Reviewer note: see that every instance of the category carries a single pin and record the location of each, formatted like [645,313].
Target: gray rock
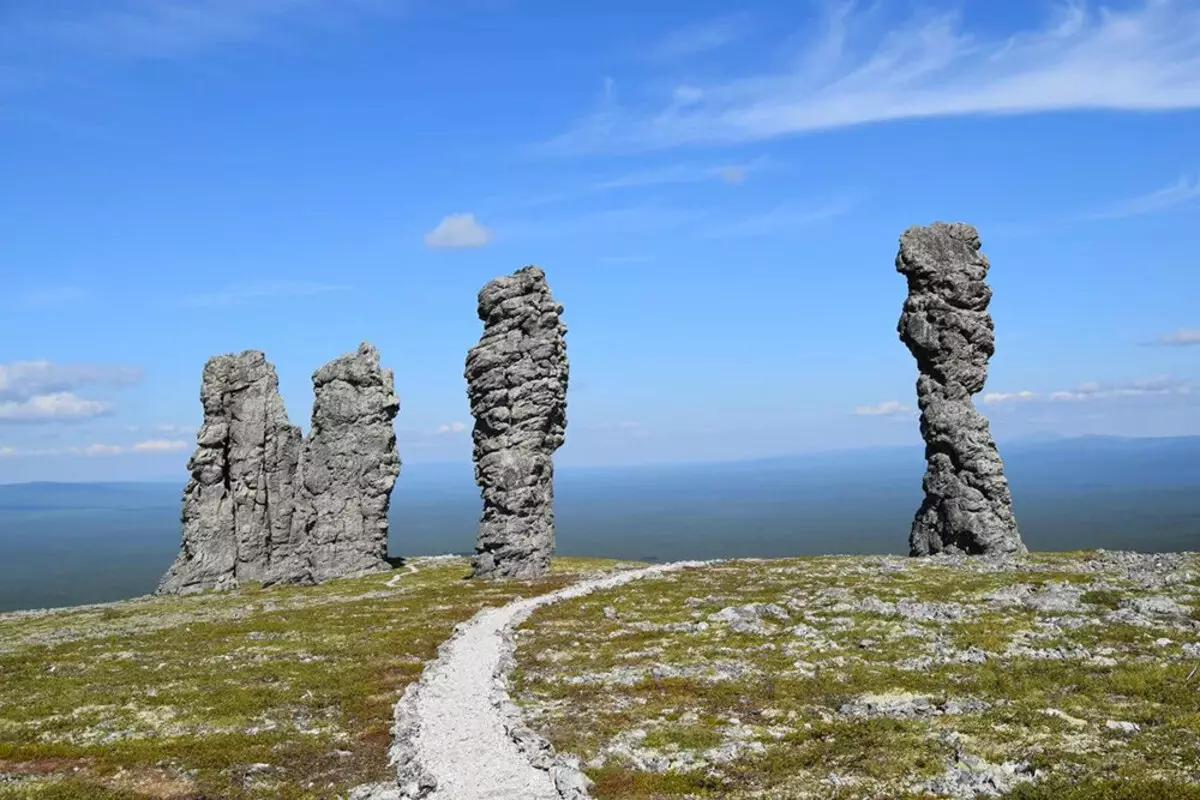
[517,385]
[239,500]
[945,324]
[348,468]
[264,505]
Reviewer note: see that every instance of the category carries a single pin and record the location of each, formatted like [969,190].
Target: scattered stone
[1074,722]
[904,705]
[1154,606]
[1055,597]
[1123,727]
[945,324]
[751,618]
[517,385]
[971,776]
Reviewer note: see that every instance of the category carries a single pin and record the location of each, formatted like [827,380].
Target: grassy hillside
[285,693]
[1064,676]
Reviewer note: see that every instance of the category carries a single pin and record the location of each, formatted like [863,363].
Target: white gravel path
[457,726]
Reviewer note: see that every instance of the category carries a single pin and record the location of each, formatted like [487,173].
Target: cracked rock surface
[946,326]
[263,504]
[348,468]
[238,502]
[517,385]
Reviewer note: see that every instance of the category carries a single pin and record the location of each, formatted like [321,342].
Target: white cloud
[56,406]
[238,295]
[1142,58]
[21,380]
[1180,193]
[887,408]
[700,37]
[458,231]
[1182,337]
[159,446]
[97,449]
[1009,397]
[452,427]
[1160,386]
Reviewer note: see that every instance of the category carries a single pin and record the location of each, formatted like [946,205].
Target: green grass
[795,714]
[180,696]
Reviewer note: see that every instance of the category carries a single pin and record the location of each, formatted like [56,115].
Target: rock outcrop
[946,326]
[238,502]
[517,385]
[348,467]
[265,505]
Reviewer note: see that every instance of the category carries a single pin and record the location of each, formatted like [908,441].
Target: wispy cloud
[1183,192]
[1182,337]
[784,218]
[159,446]
[22,380]
[452,427]
[51,297]
[1143,58]
[888,408]
[96,449]
[731,173]
[1009,397]
[700,37]
[238,295]
[163,29]
[1159,386]
[54,407]
[458,232]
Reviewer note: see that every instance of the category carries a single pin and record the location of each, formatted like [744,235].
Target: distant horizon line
[1031,439]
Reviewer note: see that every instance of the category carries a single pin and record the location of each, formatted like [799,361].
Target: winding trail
[458,735]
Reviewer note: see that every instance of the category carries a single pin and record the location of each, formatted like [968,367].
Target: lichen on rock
[517,385]
[946,326]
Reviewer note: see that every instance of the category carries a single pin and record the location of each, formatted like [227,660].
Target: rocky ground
[284,693]
[1052,676]
[1064,676]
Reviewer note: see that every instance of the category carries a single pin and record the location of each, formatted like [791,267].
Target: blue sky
[715,190]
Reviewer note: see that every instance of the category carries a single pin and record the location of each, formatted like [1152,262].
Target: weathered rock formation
[348,467]
[945,324]
[264,505]
[238,503]
[517,385]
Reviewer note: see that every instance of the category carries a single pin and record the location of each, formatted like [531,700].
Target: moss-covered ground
[281,693]
[1064,676]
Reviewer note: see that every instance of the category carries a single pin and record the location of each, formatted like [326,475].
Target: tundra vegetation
[1066,675]
[279,693]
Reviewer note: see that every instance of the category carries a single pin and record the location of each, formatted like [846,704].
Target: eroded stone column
[348,467]
[238,502]
[947,328]
[517,386]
